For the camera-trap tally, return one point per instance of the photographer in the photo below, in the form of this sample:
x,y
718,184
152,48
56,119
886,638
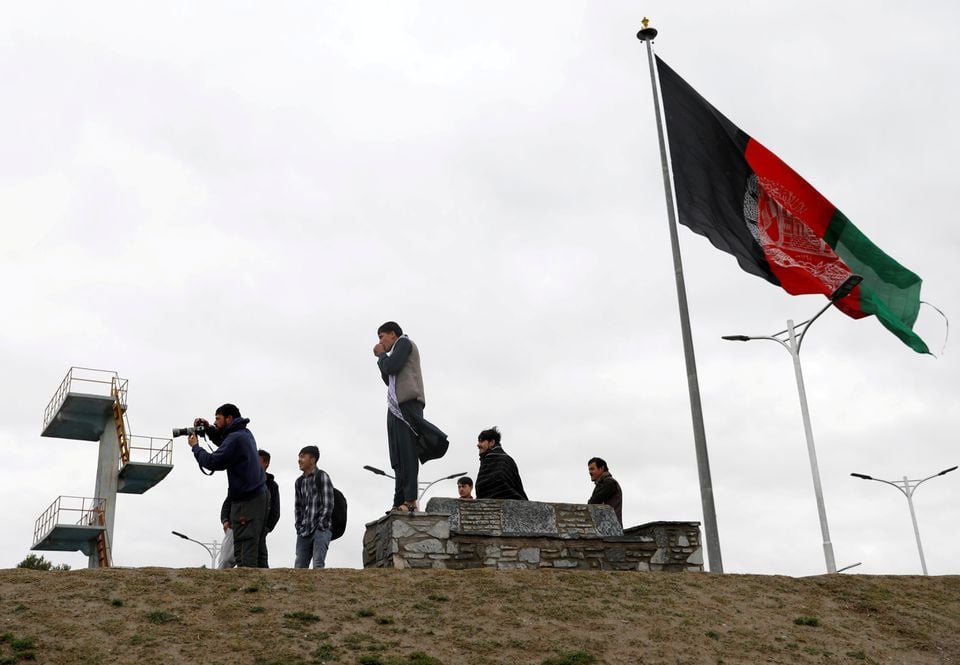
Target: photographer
x,y
246,481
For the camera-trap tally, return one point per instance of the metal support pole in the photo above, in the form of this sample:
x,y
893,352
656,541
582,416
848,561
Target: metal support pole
x,y
794,350
907,488
792,344
913,516
693,385
424,485
213,549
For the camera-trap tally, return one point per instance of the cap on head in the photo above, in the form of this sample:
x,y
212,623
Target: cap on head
x,y
311,450
230,410
390,327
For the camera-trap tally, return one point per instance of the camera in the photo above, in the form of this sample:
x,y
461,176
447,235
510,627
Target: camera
x,y
199,430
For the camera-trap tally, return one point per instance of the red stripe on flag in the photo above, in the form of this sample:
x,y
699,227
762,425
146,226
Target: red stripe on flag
x,y
791,219
792,192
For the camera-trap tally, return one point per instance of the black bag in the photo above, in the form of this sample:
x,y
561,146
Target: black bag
x,y
338,521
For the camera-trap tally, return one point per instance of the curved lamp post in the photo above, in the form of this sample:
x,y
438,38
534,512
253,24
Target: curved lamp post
x,y
423,484
791,339
213,549
907,488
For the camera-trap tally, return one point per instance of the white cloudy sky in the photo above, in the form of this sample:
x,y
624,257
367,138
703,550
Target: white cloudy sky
x,y
222,201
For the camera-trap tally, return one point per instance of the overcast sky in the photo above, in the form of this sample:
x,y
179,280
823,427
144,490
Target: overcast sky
x,y
222,201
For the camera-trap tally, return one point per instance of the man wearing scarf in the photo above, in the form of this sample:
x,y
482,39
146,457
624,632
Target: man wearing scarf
x,y
606,489
498,477
412,440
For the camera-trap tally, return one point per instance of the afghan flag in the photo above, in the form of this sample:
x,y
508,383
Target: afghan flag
x,y
748,203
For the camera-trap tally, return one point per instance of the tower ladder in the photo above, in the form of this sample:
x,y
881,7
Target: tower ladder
x,y
103,554
118,423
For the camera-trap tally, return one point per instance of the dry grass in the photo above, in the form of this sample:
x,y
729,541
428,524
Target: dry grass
x,y
387,617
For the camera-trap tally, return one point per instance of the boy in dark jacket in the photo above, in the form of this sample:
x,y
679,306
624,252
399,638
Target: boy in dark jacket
x,y
273,509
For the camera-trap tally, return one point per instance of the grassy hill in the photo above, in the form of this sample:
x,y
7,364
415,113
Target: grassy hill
x,y
389,617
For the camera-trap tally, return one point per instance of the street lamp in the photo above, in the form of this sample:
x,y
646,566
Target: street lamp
x,y
213,549
423,484
907,488
791,339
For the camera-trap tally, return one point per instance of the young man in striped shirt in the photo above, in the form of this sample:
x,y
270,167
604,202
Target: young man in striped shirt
x,y
313,510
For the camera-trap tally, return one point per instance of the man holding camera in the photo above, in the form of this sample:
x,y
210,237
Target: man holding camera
x,y
246,481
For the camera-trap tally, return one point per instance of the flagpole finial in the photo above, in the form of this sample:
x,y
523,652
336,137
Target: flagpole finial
x,y
646,32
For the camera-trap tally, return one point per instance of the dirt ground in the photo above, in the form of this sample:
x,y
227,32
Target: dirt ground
x,y
389,617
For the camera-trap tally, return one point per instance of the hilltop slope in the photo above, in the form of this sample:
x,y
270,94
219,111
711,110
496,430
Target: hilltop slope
x,y
158,615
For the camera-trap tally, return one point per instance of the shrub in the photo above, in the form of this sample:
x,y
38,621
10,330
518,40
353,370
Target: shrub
x,y
300,615
159,616
34,562
571,658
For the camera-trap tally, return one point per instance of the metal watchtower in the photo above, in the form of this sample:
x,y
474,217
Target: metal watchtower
x,y
91,405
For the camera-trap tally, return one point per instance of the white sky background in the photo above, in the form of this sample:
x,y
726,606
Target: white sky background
x,y
223,201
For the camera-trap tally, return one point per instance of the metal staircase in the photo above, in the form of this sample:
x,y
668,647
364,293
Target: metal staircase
x,y
119,393
103,552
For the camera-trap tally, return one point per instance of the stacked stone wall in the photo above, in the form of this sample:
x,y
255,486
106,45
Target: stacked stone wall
x,y
510,535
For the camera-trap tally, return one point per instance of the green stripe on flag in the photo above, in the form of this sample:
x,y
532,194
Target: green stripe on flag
x,y
888,290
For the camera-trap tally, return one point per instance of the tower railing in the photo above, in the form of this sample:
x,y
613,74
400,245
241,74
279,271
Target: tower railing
x,y
73,510
151,449
89,381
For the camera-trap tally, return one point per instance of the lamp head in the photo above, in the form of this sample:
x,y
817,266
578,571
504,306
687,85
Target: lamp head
x,y
736,338
860,475
844,289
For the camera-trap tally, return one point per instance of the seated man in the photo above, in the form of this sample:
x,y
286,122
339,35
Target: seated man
x,y
606,489
498,477
465,488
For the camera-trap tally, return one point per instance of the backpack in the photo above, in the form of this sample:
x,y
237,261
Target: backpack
x,y
338,520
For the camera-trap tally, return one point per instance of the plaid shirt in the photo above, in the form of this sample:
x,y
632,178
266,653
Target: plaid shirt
x,y
313,505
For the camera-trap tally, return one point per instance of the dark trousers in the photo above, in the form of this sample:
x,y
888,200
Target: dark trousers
x,y
403,454
262,561
248,519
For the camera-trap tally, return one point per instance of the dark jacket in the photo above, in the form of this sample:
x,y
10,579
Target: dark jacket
x,y
607,490
272,517
237,453
498,477
432,443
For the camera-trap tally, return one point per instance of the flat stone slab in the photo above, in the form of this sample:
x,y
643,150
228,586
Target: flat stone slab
x,y
505,517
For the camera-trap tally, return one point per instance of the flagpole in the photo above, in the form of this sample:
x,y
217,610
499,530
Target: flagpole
x,y
647,35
